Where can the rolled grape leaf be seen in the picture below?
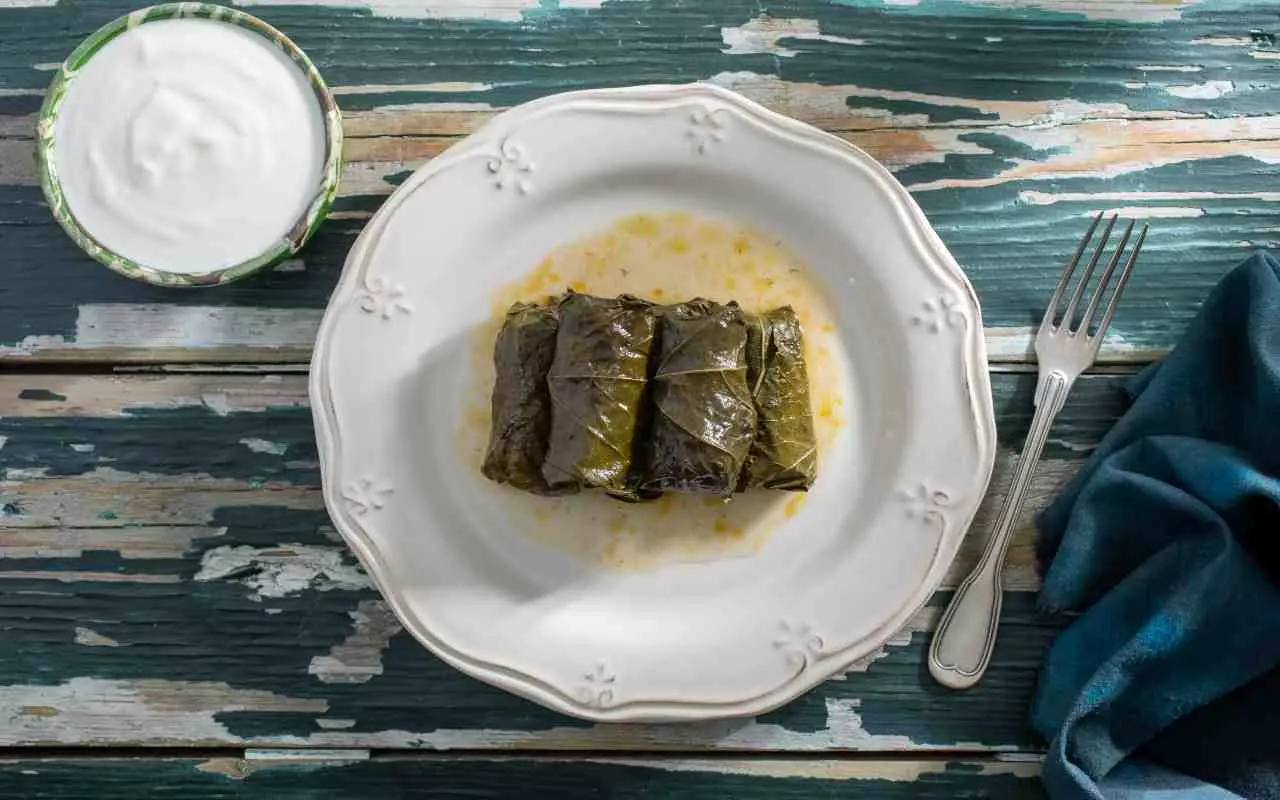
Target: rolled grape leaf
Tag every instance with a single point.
(521, 404)
(703, 415)
(597, 385)
(784, 452)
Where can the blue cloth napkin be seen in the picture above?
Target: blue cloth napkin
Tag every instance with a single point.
(1168, 683)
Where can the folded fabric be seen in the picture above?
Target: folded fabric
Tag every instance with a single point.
(1168, 542)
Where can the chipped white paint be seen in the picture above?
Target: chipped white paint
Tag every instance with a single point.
(308, 754)
(443, 87)
(141, 504)
(1049, 198)
(3, 441)
(1265, 55)
(216, 402)
(1014, 343)
(505, 10)
(1120, 10)
(25, 473)
(335, 723)
(1075, 447)
(290, 265)
(81, 447)
(359, 657)
(925, 619)
(355, 122)
(153, 326)
(129, 542)
(1223, 41)
(897, 770)
(28, 3)
(992, 39)
(1103, 148)
(84, 711)
(1169, 68)
(815, 101)
(78, 576)
(844, 729)
(762, 34)
(1148, 212)
(263, 446)
(91, 638)
(1209, 90)
(283, 570)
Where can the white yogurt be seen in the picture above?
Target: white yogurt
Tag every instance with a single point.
(189, 145)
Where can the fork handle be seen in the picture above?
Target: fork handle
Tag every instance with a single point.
(962, 645)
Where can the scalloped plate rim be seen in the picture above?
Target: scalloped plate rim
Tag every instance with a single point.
(935, 257)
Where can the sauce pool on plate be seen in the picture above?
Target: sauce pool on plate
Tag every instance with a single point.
(664, 257)
(189, 145)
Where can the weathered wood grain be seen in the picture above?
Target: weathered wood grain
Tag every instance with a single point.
(353, 775)
(168, 576)
(1009, 121)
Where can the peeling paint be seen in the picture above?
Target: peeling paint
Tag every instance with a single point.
(762, 34)
(85, 711)
(284, 570)
(165, 326)
(443, 87)
(1168, 68)
(359, 658)
(1119, 10)
(263, 446)
(1209, 90)
(1148, 212)
(91, 638)
(922, 621)
(217, 403)
(1014, 343)
(291, 265)
(1096, 149)
(1073, 446)
(1049, 198)
(898, 770)
(503, 10)
(83, 448)
(1218, 40)
(234, 768)
(79, 576)
(335, 724)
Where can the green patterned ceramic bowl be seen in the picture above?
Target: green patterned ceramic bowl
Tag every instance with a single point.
(287, 246)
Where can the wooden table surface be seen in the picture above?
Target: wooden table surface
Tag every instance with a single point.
(176, 612)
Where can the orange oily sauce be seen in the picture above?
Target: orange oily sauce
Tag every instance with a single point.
(667, 258)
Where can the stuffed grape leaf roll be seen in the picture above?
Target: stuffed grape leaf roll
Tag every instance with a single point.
(521, 404)
(703, 415)
(784, 452)
(597, 384)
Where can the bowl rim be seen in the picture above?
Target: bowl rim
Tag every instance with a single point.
(302, 230)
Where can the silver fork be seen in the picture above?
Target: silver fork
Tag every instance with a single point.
(962, 645)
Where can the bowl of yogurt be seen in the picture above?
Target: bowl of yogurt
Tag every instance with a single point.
(189, 144)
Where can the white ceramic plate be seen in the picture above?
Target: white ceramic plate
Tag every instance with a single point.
(396, 379)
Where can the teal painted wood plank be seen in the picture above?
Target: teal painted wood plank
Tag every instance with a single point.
(519, 779)
(168, 576)
(1040, 116)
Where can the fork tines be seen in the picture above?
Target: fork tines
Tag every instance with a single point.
(1068, 318)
